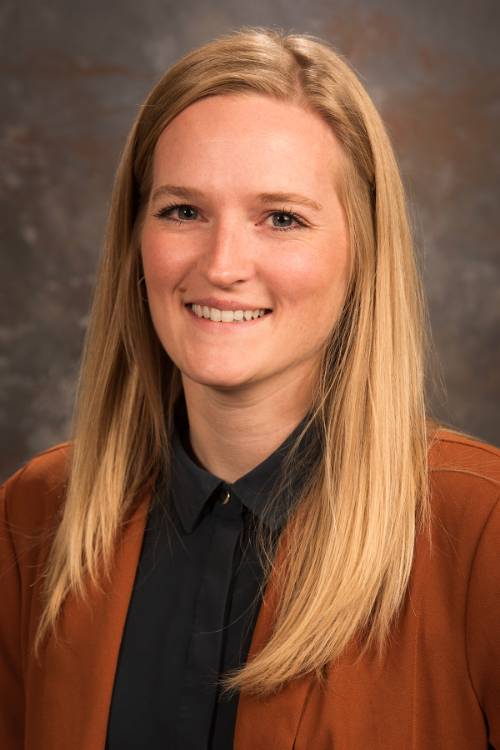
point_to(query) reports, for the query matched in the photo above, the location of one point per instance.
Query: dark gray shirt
(194, 603)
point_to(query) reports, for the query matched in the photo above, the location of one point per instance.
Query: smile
(226, 316)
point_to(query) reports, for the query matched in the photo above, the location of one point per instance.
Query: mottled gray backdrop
(73, 76)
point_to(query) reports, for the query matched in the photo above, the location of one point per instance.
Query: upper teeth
(225, 316)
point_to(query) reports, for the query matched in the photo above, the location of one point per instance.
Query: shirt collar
(193, 486)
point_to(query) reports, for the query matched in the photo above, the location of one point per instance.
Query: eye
(298, 223)
(166, 212)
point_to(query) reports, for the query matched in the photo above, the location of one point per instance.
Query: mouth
(209, 315)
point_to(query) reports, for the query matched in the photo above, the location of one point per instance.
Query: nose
(227, 256)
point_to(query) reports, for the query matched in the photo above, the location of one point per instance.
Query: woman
(256, 537)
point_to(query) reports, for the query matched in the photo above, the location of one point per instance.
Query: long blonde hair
(350, 539)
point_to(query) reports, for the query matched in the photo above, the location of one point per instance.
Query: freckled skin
(230, 246)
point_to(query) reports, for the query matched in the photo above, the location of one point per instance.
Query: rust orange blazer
(438, 688)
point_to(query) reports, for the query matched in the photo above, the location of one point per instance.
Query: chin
(217, 378)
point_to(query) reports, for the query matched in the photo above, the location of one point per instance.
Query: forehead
(249, 136)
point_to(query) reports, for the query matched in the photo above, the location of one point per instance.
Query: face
(244, 219)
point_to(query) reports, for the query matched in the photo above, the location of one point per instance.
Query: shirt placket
(199, 689)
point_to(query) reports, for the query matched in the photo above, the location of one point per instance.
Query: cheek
(314, 277)
(163, 266)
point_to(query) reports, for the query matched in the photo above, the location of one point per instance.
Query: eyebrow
(190, 192)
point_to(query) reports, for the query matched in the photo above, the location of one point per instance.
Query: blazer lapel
(71, 689)
(271, 722)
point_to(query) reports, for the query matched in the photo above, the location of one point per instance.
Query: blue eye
(186, 208)
(165, 213)
(298, 222)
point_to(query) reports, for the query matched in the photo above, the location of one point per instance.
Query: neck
(232, 431)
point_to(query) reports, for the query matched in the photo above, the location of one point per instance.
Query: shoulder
(33, 493)
(451, 450)
(464, 470)
(464, 476)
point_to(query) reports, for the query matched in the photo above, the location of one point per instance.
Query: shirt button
(226, 496)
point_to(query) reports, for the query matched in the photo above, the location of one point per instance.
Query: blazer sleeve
(11, 680)
(483, 623)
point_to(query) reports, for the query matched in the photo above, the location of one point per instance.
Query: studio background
(73, 76)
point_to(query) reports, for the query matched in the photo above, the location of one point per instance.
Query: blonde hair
(348, 549)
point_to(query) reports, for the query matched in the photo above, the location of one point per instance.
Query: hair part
(347, 550)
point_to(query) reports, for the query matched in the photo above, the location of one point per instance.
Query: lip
(221, 304)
